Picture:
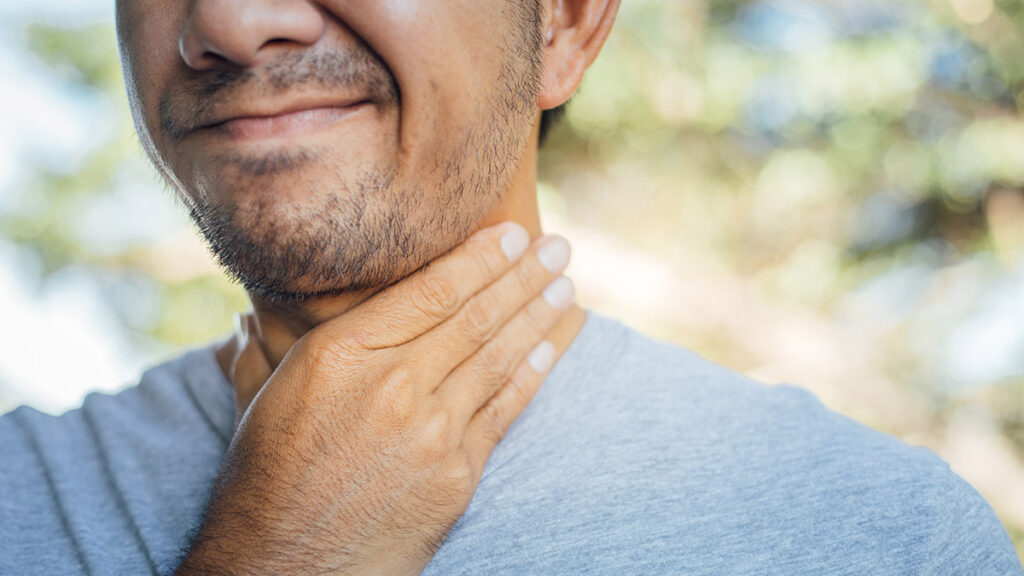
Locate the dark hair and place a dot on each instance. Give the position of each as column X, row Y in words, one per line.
column 548, row 119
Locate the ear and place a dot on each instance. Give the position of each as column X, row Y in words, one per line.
column 574, row 31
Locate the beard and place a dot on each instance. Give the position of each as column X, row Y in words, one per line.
column 366, row 232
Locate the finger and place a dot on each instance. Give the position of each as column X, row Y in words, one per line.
column 459, row 337
column 429, row 296
column 489, row 424
column 477, row 379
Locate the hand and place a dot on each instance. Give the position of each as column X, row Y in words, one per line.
column 369, row 439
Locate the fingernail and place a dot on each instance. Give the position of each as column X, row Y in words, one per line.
column 542, row 357
column 559, row 293
column 554, row 254
column 514, row 242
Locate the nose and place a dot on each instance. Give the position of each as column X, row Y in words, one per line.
column 239, row 32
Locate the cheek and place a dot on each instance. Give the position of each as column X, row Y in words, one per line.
column 148, row 37
column 444, row 55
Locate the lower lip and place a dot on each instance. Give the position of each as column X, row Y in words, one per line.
column 284, row 125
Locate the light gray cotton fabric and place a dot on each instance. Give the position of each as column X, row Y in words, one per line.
column 636, row 457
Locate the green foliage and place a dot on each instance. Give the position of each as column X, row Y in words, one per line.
column 86, row 55
column 46, row 218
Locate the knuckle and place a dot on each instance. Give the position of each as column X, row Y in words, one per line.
column 459, row 473
column 481, row 320
column 395, row 399
column 322, row 353
column 517, row 387
column 485, row 260
column 438, row 428
column 494, row 421
column 527, row 278
column 436, row 295
column 433, row 437
column 493, row 360
column 354, row 339
column 537, row 317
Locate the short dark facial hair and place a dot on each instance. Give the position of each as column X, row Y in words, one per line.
column 351, row 242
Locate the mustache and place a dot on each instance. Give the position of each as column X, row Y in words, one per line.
column 196, row 100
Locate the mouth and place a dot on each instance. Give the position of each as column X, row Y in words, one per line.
column 294, row 120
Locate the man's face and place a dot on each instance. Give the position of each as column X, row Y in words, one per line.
column 337, row 145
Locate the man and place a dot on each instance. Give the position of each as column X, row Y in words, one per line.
column 355, row 165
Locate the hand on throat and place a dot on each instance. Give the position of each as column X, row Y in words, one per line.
column 263, row 337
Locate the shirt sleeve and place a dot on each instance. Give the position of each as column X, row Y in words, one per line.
column 967, row 536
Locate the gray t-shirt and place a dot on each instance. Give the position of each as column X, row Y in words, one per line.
column 636, row 456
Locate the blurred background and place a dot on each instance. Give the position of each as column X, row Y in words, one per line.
column 828, row 193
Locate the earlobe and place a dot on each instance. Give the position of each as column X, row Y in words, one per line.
column 562, row 76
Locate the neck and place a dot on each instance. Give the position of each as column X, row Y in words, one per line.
column 280, row 325
column 276, row 327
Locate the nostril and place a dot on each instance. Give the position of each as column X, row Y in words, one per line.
column 277, row 42
column 214, row 35
column 209, row 60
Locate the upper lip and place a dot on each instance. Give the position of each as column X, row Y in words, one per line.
column 272, row 109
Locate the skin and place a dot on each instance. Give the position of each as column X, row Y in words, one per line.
column 418, row 54
column 329, row 151
column 365, row 446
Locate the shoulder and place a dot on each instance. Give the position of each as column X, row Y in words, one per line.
column 668, row 460
column 790, row 457
column 182, row 395
column 132, row 467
